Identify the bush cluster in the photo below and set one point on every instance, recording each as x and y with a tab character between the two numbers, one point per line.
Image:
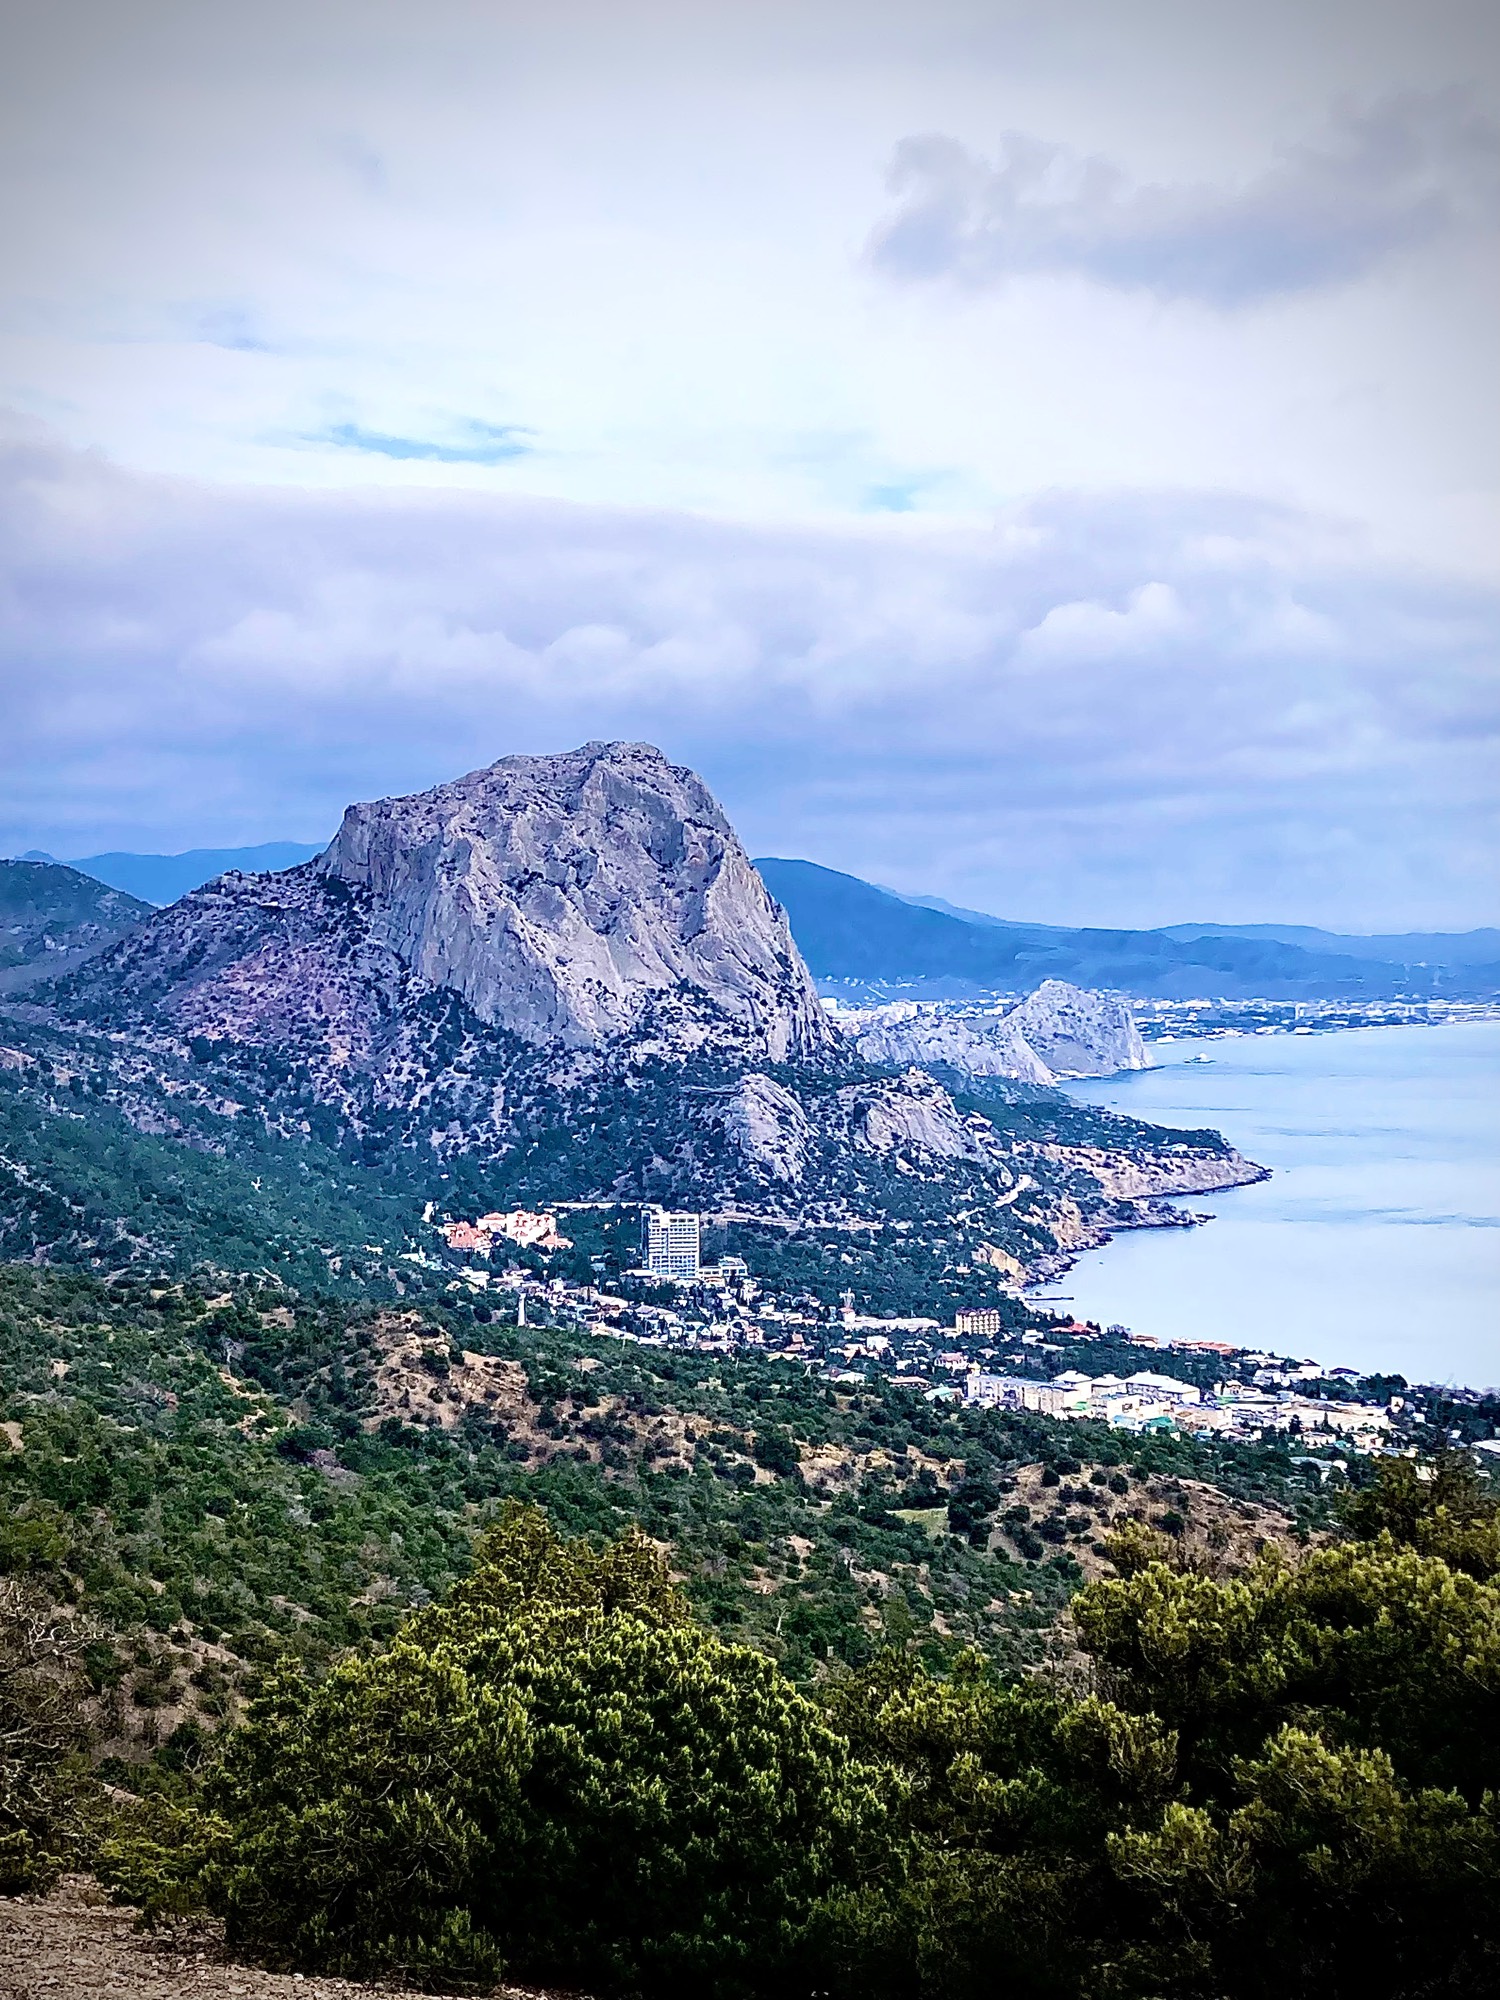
1280	1783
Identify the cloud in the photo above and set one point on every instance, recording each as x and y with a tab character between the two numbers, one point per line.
1105	710
1400	174
487	444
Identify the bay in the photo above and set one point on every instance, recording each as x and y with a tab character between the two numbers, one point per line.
1376	1242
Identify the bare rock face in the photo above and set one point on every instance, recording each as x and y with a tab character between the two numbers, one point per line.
1079	1033
768	1129
577	902
912	1117
910	1033
562	897
1057	1031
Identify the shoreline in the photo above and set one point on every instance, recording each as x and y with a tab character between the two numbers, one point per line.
1375	1244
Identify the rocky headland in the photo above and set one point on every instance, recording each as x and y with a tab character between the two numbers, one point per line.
1056	1032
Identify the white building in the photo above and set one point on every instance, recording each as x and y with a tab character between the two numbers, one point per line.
1165	1388
670	1242
985	1322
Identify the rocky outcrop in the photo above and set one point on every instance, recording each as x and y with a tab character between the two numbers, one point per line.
574	902
1143	1176
1058	1031
768	1129
914	1119
561	897
1079	1033
925	1034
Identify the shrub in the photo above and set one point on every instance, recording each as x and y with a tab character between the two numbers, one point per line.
557	1772
48	1803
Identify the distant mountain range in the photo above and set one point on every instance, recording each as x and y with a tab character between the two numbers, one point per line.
849	930
162	878
854	931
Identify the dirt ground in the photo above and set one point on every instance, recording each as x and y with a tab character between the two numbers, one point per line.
73	1945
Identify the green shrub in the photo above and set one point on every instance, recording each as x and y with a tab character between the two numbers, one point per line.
557	1772
49	1805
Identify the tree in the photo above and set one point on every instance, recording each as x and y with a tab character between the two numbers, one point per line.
557	1772
48	1804
1439	1506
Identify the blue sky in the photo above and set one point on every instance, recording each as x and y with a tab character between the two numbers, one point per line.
1041	455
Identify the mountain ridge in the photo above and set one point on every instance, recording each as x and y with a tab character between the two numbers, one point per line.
853	931
53	918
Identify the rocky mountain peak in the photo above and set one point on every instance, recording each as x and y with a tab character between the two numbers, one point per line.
574	901
562	897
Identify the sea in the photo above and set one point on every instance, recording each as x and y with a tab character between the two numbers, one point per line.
1374	1245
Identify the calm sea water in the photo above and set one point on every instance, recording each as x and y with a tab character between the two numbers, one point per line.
1375	1244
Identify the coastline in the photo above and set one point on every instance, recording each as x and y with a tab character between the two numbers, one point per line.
1376	1242
1136	1190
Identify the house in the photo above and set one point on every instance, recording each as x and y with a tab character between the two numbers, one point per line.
521	1225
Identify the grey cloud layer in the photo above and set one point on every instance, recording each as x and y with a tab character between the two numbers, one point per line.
1104	711
1400	174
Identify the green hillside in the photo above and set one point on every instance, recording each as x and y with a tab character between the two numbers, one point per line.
52	918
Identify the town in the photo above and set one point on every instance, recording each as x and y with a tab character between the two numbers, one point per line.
1016	1359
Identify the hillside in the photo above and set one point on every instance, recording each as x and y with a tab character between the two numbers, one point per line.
53	918
258	1549
219	1478
162	878
1475	949
850	931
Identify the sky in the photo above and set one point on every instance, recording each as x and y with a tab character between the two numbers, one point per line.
1044	455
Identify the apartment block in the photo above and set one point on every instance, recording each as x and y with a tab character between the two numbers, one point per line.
669	1242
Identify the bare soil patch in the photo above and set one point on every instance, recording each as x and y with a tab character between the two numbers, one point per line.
74	1945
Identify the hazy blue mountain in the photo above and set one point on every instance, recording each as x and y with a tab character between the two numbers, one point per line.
848	929
162	878
956	910
1480	947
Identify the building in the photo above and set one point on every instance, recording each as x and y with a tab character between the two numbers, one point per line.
985	1322
464	1236
669	1242
518	1225
1165	1388
521	1225
995	1392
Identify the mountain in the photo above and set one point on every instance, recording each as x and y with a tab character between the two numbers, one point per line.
1430	948
566	898
848	930
1058	1031
162	878
573	902
1408	948
53	918
558	978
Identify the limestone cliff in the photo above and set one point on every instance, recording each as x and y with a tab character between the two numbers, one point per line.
573	901
1058	1031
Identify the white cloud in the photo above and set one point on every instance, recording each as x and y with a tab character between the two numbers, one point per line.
1108	709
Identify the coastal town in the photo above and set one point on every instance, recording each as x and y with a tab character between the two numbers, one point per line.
1026	1358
